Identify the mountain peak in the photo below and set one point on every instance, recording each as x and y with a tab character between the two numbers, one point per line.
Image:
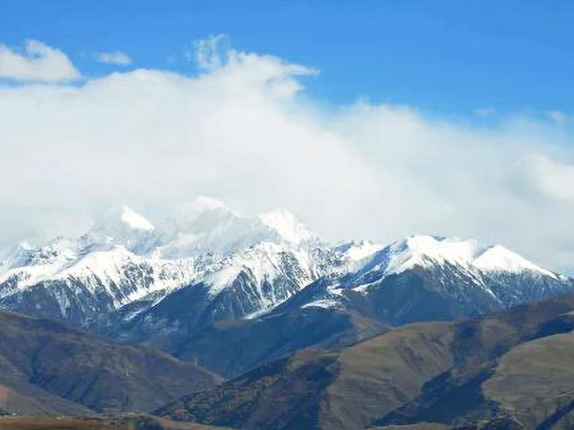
424	251
287	225
121	226
203	213
499	258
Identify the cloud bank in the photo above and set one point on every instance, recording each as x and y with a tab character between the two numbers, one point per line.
244	130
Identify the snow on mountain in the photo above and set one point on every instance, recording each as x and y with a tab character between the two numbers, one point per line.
353	255
263	262
499	259
124	258
418	273
424	251
240	266
58	250
120	226
208	225
287	226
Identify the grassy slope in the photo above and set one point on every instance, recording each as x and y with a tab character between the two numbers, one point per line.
510	369
49	368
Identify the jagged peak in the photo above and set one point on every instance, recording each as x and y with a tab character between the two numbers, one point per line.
26	254
499	258
121	225
440	247
19	256
208	225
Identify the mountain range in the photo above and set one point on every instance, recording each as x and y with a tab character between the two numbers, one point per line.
509	370
256	322
229	291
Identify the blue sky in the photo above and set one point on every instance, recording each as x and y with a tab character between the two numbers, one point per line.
447	57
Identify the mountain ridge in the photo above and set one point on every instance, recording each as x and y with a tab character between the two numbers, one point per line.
172	285
507	370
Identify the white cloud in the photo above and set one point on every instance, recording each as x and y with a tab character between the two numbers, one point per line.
117	58
37	63
553	179
243	131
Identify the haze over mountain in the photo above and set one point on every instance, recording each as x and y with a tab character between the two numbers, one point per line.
123	259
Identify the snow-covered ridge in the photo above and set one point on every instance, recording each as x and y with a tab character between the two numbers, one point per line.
124	257
424	251
208	225
268	258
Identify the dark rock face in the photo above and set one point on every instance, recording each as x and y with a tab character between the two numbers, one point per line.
43	300
80	301
189	310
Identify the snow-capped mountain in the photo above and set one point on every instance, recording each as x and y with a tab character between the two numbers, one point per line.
425	277
125	259
420	278
208	226
164	283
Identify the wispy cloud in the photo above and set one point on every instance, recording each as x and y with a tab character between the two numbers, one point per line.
557	116
210	53
117	58
37	62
